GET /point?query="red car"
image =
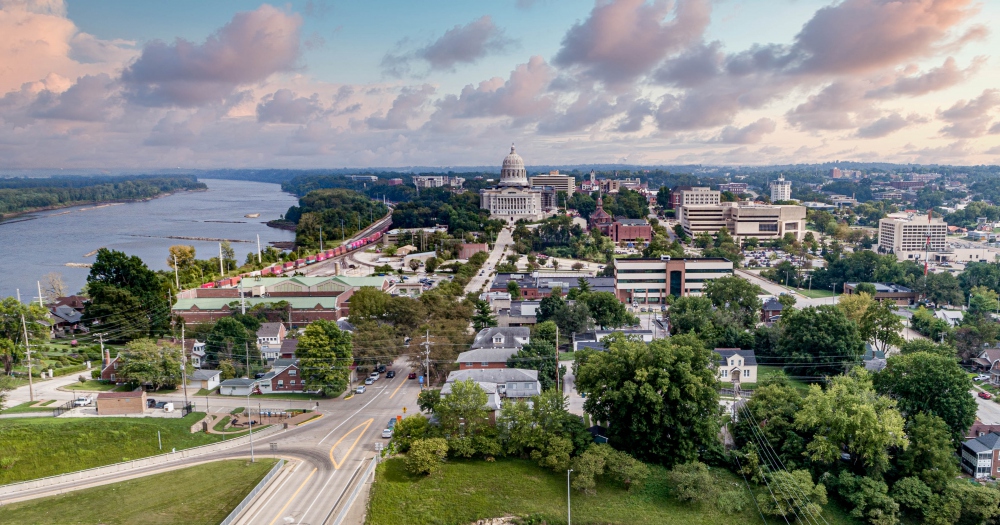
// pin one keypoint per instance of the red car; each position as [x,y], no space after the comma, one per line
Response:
[413,375]
[985,395]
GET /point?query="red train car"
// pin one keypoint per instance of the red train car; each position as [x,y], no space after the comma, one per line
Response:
[288,266]
[208,285]
[267,271]
[311,259]
[299,263]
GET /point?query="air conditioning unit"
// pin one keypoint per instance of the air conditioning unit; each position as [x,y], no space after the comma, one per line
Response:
[664,257]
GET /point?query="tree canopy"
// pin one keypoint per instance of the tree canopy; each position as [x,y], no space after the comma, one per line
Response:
[324,353]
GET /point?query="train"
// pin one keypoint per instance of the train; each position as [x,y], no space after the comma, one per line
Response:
[278,269]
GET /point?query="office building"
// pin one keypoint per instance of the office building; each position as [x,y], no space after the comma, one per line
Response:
[437,181]
[558,182]
[631,231]
[781,190]
[735,188]
[909,235]
[650,281]
[691,195]
[765,222]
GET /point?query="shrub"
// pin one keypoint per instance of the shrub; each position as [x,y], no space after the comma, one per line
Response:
[426,455]
[692,482]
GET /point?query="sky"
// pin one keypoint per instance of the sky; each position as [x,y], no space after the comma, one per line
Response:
[120,84]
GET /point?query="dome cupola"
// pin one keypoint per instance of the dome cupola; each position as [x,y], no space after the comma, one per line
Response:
[512,173]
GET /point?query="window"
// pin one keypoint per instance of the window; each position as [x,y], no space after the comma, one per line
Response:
[468,364]
[762,227]
[485,363]
[527,386]
[281,383]
[513,386]
[291,372]
[746,373]
[725,373]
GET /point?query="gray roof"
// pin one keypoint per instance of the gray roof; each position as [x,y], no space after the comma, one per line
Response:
[632,222]
[344,325]
[288,346]
[985,443]
[885,287]
[596,345]
[67,314]
[269,330]
[772,304]
[749,358]
[484,339]
[239,382]
[518,308]
[486,355]
[494,375]
[204,375]
[278,363]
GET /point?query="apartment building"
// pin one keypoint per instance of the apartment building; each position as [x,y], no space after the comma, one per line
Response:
[437,181]
[650,281]
[907,235]
[558,182]
[781,190]
[735,188]
[765,222]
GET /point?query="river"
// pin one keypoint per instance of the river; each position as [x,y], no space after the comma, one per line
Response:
[40,243]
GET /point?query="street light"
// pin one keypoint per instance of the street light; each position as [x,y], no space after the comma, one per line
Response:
[569,520]
[250,417]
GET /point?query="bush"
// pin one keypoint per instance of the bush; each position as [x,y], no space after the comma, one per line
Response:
[426,455]
[912,495]
[601,459]
[692,482]
[409,430]
[869,497]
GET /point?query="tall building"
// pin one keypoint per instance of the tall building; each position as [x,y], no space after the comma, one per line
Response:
[514,198]
[692,195]
[781,190]
[650,281]
[908,235]
[763,222]
[558,182]
[600,219]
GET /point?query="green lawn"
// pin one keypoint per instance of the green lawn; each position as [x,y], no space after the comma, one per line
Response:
[220,426]
[814,294]
[466,491]
[40,447]
[764,371]
[178,496]
[91,385]
[26,407]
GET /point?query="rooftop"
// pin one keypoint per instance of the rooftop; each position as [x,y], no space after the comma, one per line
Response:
[119,395]
[493,375]
[217,303]
[885,287]
[486,355]
[749,358]
[269,330]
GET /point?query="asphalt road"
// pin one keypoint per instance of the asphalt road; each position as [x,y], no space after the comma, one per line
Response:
[504,240]
[324,454]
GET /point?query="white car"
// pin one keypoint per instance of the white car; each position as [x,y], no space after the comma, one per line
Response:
[369,380]
[387,433]
[82,401]
[982,377]
[374,376]
[360,390]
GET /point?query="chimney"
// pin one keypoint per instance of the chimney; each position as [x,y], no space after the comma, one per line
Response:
[107,358]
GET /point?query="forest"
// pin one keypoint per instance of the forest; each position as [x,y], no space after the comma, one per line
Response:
[339,213]
[18,195]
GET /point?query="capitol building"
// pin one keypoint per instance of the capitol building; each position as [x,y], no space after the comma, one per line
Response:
[514,198]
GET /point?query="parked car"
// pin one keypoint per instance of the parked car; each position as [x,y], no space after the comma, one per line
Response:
[387,433]
[390,374]
[986,395]
[150,403]
[982,377]
[82,401]
[413,375]
[374,376]
[392,423]
[380,369]
[360,390]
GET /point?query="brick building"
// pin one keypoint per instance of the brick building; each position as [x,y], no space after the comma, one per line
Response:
[121,403]
[898,294]
[631,230]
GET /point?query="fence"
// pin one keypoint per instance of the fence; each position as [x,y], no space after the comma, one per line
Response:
[253,493]
[732,393]
[62,409]
[354,494]
[14,489]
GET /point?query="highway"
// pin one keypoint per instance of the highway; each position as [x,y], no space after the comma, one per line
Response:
[322,455]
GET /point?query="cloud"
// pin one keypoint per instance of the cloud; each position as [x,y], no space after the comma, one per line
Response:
[87,100]
[832,108]
[624,39]
[694,67]
[284,107]
[522,96]
[970,118]
[253,46]
[406,106]
[934,80]
[750,134]
[887,125]
[459,45]
[588,109]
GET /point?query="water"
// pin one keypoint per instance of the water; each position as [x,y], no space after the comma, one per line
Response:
[36,244]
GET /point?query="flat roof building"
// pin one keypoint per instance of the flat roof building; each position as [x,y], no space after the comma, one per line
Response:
[650,281]
[909,235]
[765,222]
[558,182]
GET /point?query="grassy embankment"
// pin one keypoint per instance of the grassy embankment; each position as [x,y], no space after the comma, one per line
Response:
[26,408]
[180,496]
[466,491]
[38,447]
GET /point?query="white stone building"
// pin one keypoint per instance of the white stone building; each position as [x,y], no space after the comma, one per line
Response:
[514,198]
[781,190]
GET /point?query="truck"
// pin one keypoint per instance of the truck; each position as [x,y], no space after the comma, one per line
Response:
[83,401]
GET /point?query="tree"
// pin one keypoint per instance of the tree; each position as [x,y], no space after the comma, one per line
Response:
[414,264]
[787,301]
[931,384]
[484,317]
[600,460]
[410,429]
[925,345]
[180,256]
[369,303]
[431,264]
[930,456]
[793,492]
[11,328]
[117,307]
[607,310]
[659,400]
[53,286]
[880,326]
[819,341]
[324,353]
[737,295]
[577,266]
[690,314]
[849,416]
[428,399]
[514,290]
[426,455]
[855,306]
[869,498]
[462,413]
[114,269]
[144,363]
[775,402]
[228,255]
[663,197]
[230,340]
[10,354]
[866,288]
[912,495]
[545,331]
[680,233]
[537,355]
[692,482]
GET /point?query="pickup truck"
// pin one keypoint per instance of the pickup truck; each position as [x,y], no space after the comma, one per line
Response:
[83,401]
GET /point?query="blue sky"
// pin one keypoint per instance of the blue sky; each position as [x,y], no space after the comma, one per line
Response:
[394,83]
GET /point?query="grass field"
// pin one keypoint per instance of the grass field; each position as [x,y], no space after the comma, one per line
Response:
[814,294]
[26,407]
[39,447]
[180,496]
[91,385]
[764,371]
[466,491]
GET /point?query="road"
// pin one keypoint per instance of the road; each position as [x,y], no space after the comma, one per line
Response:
[771,288]
[504,240]
[47,389]
[323,455]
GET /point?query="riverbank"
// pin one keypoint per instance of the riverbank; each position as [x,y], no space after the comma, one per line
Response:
[6,217]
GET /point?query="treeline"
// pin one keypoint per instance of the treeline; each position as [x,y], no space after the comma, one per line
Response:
[18,195]
[339,213]
[460,211]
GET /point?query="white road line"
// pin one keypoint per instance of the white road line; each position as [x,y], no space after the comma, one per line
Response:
[350,416]
[263,504]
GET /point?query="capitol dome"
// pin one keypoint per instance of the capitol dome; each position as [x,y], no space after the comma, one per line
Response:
[512,173]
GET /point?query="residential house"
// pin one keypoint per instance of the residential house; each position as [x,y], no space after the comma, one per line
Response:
[953,317]
[109,368]
[510,382]
[492,397]
[285,376]
[980,429]
[288,347]
[980,457]
[736,365]
[76,302]
[121,403]
[66,320]
[269,338]
[520,313]
[873,360]
[498,337]
[988,361]
[198,353]
[243,386]
[204,379]
[595,338]
[485,358]
[771,310]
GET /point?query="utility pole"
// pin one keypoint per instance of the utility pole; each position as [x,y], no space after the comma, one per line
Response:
[569,519]
[250,418]
[184,366]
[177,279]
[222,272]
[27,348]
[40,302]
[258,249]
[342,236]
[427,358]
[243,303]
[557,358]
[321,238]
[246,347]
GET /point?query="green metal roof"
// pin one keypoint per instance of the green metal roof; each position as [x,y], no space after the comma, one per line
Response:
[216,303]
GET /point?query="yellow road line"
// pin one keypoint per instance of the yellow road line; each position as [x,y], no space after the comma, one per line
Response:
[289,502]
[366,424]
[401,383]
[310,420]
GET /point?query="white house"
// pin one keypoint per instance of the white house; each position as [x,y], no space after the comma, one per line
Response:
[510,382]
[207,379]
[269,339]
[736,366]
[243,386]
[198,354]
